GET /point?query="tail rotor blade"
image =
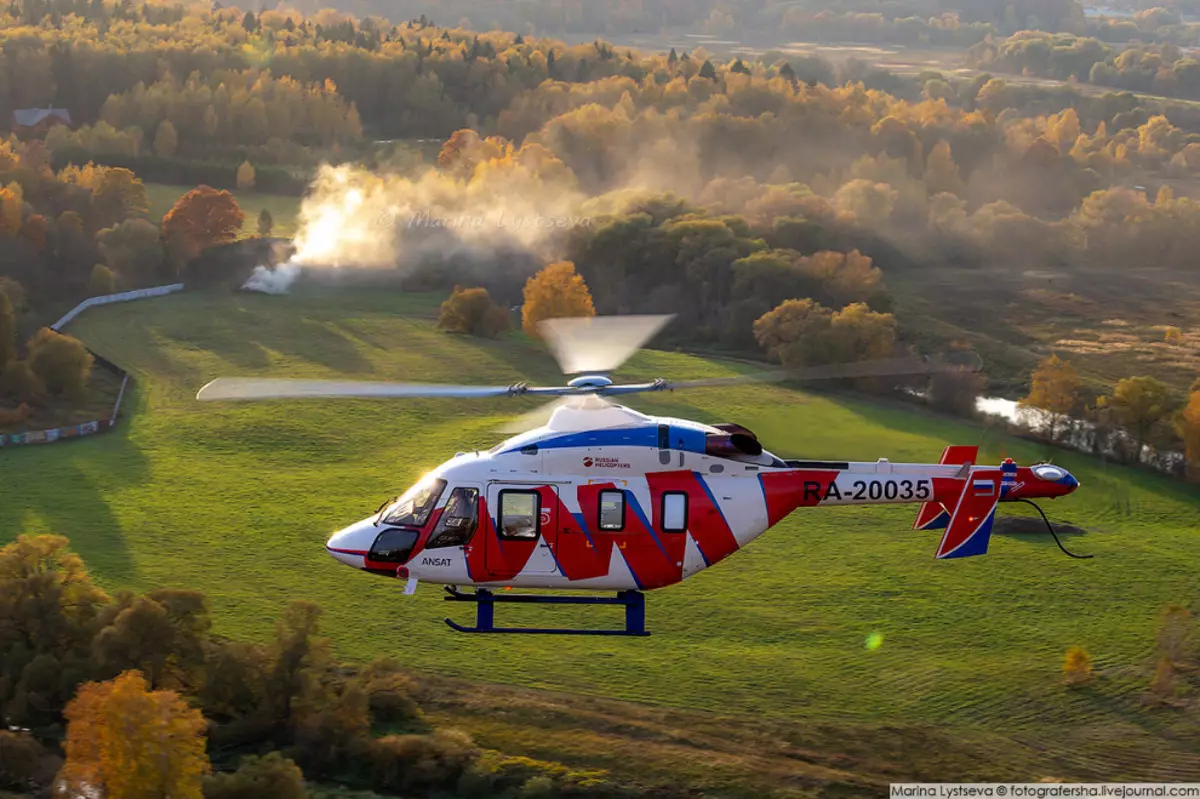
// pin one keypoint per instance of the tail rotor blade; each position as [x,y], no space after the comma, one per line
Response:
[598,343]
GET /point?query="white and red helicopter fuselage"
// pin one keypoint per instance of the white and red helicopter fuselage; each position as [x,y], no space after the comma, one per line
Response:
[604,498]
[612,499]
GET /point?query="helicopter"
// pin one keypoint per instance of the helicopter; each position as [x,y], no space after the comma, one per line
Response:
[596,496]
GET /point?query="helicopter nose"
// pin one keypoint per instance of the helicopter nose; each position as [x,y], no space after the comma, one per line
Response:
[352,544]
[1070,482]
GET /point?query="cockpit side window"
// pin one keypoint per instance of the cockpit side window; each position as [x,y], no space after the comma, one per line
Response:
[458,521]
[413,509]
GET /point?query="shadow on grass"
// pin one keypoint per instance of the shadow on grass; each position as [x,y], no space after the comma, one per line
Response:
[73,502]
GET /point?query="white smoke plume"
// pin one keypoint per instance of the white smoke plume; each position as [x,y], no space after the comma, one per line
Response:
[351,218]
[276,280]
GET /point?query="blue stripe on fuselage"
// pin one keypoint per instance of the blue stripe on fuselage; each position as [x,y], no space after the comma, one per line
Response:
[681,438]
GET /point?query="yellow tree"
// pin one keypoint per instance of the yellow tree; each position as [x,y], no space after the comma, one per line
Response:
[34,232]
[553,293]
[941,172]
[1188,426]
[1077,666]
[119,194]
[166,140]
[794,332]
[1054,389]
[11,199]
[1140,403]
[8,331]
[869,202]
[202,218]
[132,743]
[245,176]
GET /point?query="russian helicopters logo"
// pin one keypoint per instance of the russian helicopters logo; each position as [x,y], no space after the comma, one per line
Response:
[605,463]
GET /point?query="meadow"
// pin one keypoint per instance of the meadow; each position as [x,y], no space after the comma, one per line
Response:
[282,207]
[237,500]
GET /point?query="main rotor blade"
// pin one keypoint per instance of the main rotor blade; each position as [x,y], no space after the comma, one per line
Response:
[538,417]
[883,367]
[598,343]
[541,415]
[254,388]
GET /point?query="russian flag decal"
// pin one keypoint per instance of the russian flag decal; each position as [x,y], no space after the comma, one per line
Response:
[984,488]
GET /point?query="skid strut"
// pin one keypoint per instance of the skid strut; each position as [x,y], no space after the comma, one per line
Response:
[485,607]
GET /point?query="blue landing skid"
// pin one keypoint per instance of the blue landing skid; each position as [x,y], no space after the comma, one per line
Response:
[485,607]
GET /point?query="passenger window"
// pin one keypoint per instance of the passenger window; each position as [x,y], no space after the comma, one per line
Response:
[519,515]
[612,510]
[458,521]
[674,512]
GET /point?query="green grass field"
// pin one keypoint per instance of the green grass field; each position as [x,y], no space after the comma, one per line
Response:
[237,500]
[282,207]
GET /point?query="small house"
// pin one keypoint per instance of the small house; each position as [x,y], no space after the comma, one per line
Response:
[36,121]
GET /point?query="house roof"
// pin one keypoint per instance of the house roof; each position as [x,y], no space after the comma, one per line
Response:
[29,117]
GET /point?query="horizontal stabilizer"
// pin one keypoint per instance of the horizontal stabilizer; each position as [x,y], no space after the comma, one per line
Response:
[932,516]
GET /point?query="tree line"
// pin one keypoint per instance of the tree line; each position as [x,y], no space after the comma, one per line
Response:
[1162,69]
[133,695]
[756,16]
[1138,418]
[703,200]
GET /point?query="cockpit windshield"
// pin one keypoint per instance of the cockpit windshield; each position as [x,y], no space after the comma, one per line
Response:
[414,507]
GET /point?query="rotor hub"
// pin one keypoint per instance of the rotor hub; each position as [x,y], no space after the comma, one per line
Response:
[590,381]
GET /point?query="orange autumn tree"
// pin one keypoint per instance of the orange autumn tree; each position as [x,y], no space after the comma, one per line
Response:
[202,218]
[127,742]
[553,293]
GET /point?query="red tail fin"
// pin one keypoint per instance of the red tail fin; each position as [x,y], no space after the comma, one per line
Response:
[955,455]
[971,523]
[933,515]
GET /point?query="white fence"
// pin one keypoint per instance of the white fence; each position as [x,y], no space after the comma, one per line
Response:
[100,425]
[124,296]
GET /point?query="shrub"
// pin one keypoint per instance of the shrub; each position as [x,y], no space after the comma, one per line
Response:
[1077,666]
[21,761]
[102,281]
[61,362]
[245,176]
[234,676]
[332,732]
[471,311]
[421,763]
[1174,640]
[1163,685]
[8,331]
[272,776]
[18,382]
[389,692]
[15,415]
[265,223]
[956,392]
[15,292]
